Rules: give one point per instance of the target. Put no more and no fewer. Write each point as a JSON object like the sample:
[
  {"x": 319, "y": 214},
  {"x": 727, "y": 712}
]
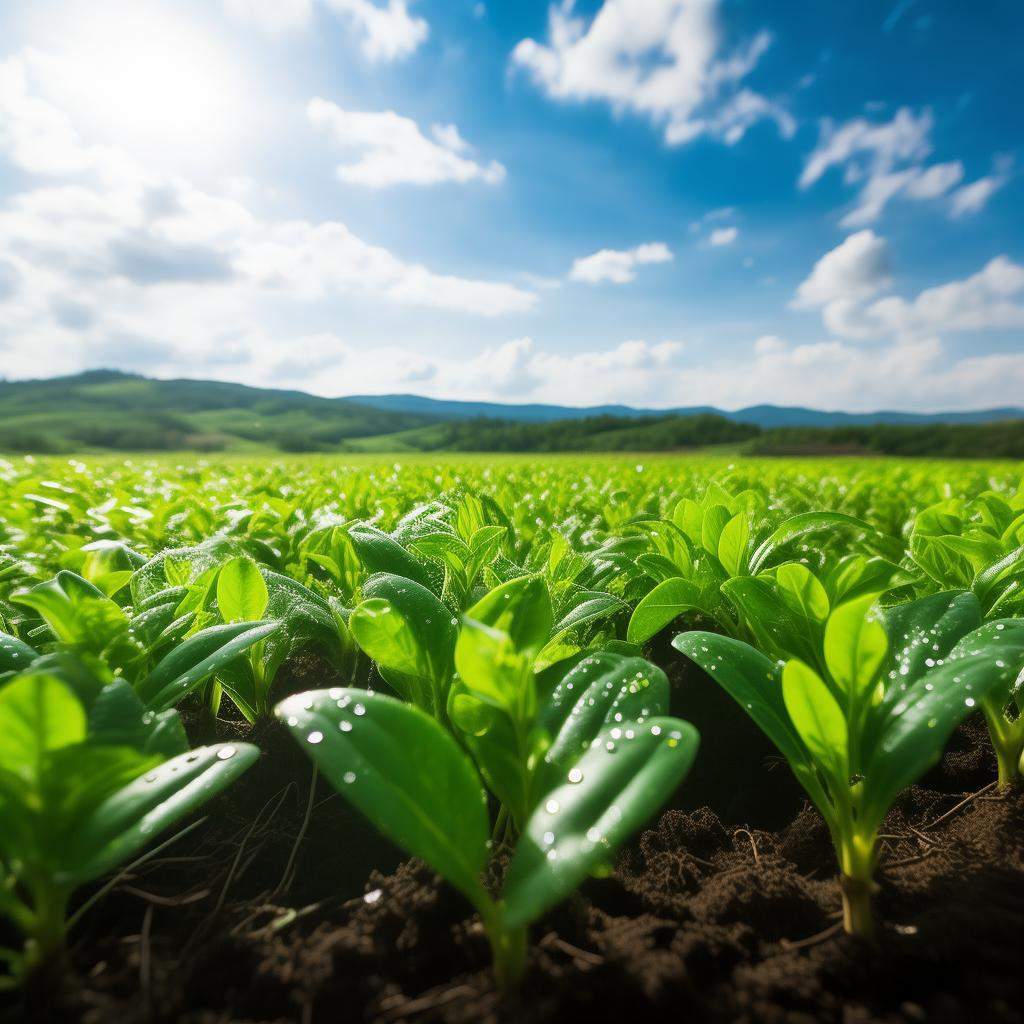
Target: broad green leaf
[
  {"x": 715, "y": 519},
  {"x": 403, "y": 771},
  {"x": 658, "y": 608},
  {"x": 491, "y": 667},
  {"x": 490, "y": 736},
  {"x": 522, "y": 609},
  {"x": 908, "y": 735},
  {"x": 924, "y": 631},
  {"x": 799, "y": 526},
  {"x": 689, "y": 517},
  {"x": 779, "y": 630},
  {"x": 404, "y": 627},
  {"x": 241, "y": 593},
  {"x": 732, "y": 544},
  {"x": 15, "y": 655},
  {"x": 603, "y": 690},
  {"x": 618, "y": 784},
  {"x": 591, "y": 606},
  {"x": 817, "y": 718},
  {"x": 380, "y": 553},
  {"x": 119, "y": 718},
  {"x": 802, "y": 591},
  {"x": 194, "y": 661},
  {"x": 856, "y": 645},
  {"x": 38, "y": 714},
  {"x": 130, "y": 818},
  {"x": 78, "y": 779}
]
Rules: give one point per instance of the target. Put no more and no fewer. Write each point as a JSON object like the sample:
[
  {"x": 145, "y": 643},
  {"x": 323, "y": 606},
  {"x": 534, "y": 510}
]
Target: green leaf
[
  {"x": 799, "y": 526},
  {"x": 779, "y": 630},
  {"x": 658, "y": 608},
  {"x": 241, "y": 593},
  {"x": 715, "y": 519},
  {"x": 403, "y": 771},
  {"x": 591, "y": 605},
  {"x": 39, "y": 713},
  {"x": 856, "y": 645},
  {"x": 604, "y": 689},
  {"x": 522, "y": 609},
  {"x": 491, "y": 667},
  {"x": 732, "y": 544},
  {"x": 926, "y": 630},
  {"x": 130, "y": 818},
  {"x": 194, "y": 661},
  {"x": 817, "y": 718},
  {"x": 380, "y": 553},
  {"x": 405, "y": 629},
  {"x": 802, "y": 591},
  {"x": 15, "y": 655},
  {"x": 908, "y": 733},
  {"x": 618, "y": 785},
  {"x": 119, "y": 718}
]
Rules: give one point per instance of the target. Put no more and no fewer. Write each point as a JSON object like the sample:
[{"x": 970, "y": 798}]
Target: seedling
[
  {"x": 871, "y": 721},
  {"x": 408, "y": 775},
  {"x": 78, "y": 797}
]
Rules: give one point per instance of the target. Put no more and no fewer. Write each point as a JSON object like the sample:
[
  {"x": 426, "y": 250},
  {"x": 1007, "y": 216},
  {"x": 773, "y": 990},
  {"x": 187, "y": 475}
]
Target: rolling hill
[
  {"x": 106, "y": 410},
  {"x": 764, "y": 416}
]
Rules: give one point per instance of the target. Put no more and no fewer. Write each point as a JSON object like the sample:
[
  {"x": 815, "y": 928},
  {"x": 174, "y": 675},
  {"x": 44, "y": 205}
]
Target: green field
[{"x": 498, "y": 634}]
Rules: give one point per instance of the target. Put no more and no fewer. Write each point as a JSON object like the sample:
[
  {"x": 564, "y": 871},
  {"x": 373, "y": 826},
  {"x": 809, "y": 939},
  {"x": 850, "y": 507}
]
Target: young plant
[
  {"x": 410, "y": 634},
  {"x": 409, "y": 776},
  {"x": 86, "y": 781},
  {"x": 1001, "y": 641},
  {"x": 247, "y": 591},
  {"x": 870, "y": 718},
  {"x": 977, "y": 546},
  {"x": 710, "y": 546}
]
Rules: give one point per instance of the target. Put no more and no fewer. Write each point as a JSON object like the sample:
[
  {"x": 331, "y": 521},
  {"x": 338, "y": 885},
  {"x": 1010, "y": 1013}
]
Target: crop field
[{"x": 472, "y": 738}]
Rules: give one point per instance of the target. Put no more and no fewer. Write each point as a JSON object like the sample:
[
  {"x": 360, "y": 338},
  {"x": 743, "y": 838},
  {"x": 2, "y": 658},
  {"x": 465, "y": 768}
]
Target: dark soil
[{"x": 284, "y": 905}]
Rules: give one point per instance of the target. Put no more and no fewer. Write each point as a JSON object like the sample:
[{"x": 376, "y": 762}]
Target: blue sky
[{"x": 658, "y": 202}]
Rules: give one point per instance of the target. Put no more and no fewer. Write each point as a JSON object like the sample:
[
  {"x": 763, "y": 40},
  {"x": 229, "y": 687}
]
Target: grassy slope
[{"x": 112, "y": 411}]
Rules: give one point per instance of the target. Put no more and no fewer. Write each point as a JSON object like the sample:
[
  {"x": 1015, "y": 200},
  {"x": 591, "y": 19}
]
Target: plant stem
[
  {"x": 50, "y": 905},
  {"x": 857, "y": 917},
  {"x": 508, "y": 946},
  {"x": 1007, "y": 740},
  {"x": 857, "y": 863}
]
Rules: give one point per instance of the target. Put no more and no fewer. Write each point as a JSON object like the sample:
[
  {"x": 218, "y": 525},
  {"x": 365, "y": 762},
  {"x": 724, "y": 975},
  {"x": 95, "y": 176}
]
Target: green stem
[
  {"x": 857, "y": 866},
  {"x": 1007, "y": 741},
  {"x": 50, "y": 906},
  {"x": 508, "y": 948}
]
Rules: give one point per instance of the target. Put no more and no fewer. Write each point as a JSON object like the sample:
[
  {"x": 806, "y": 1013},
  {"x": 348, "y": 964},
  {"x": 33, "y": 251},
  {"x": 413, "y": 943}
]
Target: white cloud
[
  {"x": 886, "y": 159},
  {"x": 991, "y": 299},
  {"x": 516, "y": 370},
  {"x": 914, "y": 374},
  {"x": 662, "y": 59},
  {"x": 829, "y": 374},
  {"x": 386, "y": 32},
  {"x": 723, "y": 236},
  {"x": 394, "y": 151},
  {"x": 618, "y": 265},
  {"x": 854, "y": 270},
  {"x": 972, "y": 198},
  {"x": 101, "y": 255},
  {"x": 845, "y": 284},
  {"x": 272, "y": 15}
]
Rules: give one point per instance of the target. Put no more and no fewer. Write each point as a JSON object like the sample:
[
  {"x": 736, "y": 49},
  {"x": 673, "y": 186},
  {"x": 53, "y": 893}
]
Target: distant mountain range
[
  {"x": 764, "y": 416},
  {"x": 110, "y": 410}
]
